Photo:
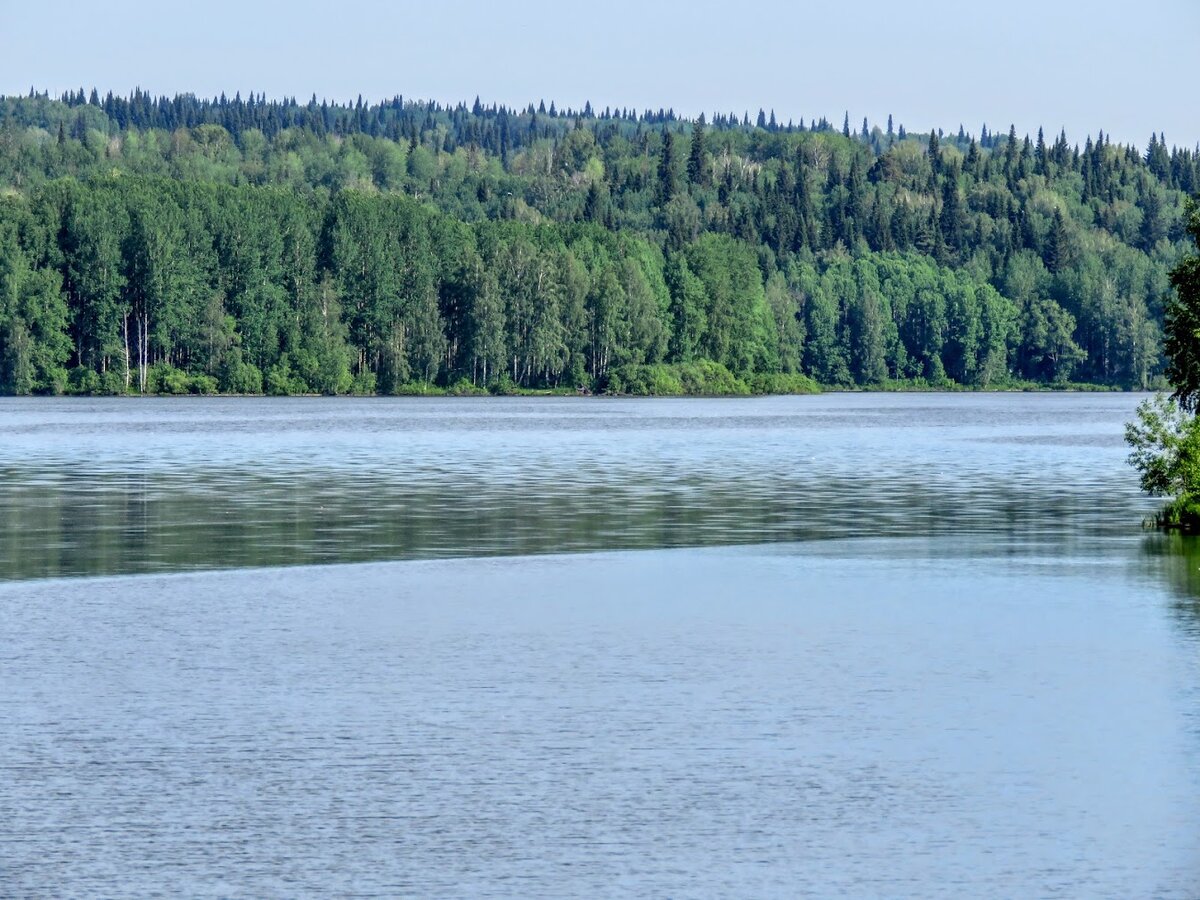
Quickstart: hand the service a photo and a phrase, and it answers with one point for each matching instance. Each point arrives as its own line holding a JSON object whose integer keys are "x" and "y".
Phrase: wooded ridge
{"x": 245, "y": 245}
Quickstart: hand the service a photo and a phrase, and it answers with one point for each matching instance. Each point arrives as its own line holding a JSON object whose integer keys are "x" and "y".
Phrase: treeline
{"x": 133, "y": 284}
{"x": 253, "y": 246}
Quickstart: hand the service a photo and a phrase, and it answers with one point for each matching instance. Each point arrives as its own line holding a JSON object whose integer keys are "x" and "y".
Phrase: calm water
{"x": 859, "y": 645}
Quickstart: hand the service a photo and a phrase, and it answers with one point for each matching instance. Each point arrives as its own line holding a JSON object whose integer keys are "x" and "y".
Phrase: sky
{"x": 1127, "y": 68}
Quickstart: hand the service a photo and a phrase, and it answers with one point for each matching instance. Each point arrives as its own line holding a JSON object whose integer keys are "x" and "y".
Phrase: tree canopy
{"x": 246, "y": 245}
{"x": 1183, "y": 323}
{"x": 1165, "y": 439}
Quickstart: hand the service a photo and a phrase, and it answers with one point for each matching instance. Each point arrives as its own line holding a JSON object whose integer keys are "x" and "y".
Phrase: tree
{"x": 1165, "y": 439}
{"x": 1165, "y": 449}
{"x": 33, "y": 324}
{"x": 666, "y": 168}
{"x": 687, "y": 310}
{"x": 1182, "y": 343}
{"x": 1058, "y": 244}
{"x": 696, "y": 169}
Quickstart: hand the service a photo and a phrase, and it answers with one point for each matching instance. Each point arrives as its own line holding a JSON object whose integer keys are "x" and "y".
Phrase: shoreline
{"x": 443, "y": 394}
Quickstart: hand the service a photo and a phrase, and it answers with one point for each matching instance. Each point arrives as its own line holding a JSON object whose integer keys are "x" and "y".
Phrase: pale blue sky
{"x": 1126, "y": 67}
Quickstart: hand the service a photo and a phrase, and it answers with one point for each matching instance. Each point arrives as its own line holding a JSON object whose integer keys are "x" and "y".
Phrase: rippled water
{"x": 113, "y": 486}
{"x": 859, "y": 645}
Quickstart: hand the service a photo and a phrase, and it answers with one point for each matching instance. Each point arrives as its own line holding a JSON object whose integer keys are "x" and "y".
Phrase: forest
{"x": 180, "y": 245}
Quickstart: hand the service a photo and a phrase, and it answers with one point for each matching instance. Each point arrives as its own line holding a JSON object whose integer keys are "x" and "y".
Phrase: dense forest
{"x": 243, "y": 245}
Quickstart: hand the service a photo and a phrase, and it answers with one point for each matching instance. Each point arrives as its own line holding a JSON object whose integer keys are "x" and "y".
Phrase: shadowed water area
{"x": 113, "y": 487}
{"x": 848, "y": 645}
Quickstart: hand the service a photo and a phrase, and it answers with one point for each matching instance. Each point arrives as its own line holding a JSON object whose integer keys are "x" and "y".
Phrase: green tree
{"x": 667, "y": 179}
{"x": 1165, "y": 439}
{"x": 1183, "y": 323}
{"x": 1165, "y": 449}
{"x": 697, "y": 169}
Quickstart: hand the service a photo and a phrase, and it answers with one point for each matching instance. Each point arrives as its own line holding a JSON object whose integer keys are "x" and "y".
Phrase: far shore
{"x": 560, "y": 393}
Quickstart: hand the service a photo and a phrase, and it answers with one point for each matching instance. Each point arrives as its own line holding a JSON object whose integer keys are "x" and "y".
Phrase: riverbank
{"x": 701, "y": 378}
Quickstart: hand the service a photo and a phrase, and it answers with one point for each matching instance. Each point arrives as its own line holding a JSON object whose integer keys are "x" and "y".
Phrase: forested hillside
{"x": 174, "y": 245}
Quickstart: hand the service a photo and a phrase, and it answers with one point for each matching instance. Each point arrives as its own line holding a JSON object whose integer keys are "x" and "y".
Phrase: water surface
{"x": 119, "y": 486}
{"x": 844, "y": 646}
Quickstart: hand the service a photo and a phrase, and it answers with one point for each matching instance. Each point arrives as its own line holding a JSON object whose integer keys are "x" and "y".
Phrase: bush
{"x": 112, "y": 383}
{"x": 611, "y": 383}
{"x": 282, "y": 380}
{"x": 363, "y": 384}
{"x": 464, "y": 388}
{"x": 54, "y": 381}
{"x": 164, "y": 378}
{"x": 644, "y": 381}
{"x": 240, "y": 377}
{"x": 503, "y": 386}
{"x": 707, "y": 378}
{"x": 699, "y": 379}
{"x": 783, "y": 383}
{"x": 279, "y": 381}
{"x": 323, "y": 373}
{"x": 82, "y": 380}
{"x": 203, "y": 384}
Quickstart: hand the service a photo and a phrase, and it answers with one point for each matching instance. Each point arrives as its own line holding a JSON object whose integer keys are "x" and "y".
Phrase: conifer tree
{"x": 666, "y": 168}
{"x": 696, "y": 169}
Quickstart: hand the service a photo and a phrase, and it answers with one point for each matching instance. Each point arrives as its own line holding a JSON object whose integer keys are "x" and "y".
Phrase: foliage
{"x": 1166, "y": 437}
{"x": 1183, "y": 323}
{"x": 699, "y": 378}
{"x": 284, "y": 247}
{"x": 1165, "y": 442}
{"x": 783, "y": 383}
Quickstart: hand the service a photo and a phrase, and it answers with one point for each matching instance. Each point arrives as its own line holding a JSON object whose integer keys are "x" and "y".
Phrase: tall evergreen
{"x": 696, "y": 168}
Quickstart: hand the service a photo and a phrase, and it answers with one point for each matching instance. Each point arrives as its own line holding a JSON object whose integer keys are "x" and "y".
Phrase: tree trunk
{"x": 125, "y": 334}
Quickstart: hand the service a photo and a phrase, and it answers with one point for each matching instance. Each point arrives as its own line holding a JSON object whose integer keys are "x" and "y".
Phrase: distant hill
{"x": 247, "y": 245}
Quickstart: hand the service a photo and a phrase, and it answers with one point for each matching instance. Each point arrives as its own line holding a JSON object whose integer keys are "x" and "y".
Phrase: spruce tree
{"x": 696, "y": 168}
{"x": 1057, "y": 254}
{"x": 666, "y": 168}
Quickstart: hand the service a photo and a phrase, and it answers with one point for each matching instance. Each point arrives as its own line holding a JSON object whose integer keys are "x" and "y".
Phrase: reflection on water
{"x": 992, "y": 691}
{"x": 119, "y": 486}
{"x": 1174, "y": 559}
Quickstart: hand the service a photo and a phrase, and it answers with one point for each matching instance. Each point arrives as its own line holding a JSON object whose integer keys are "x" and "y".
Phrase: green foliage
{"x": 363, "y": 383}
{"x": 645, "y": 381}
{"x": 164, "y": 378}
{"x": 334, "y": 249}
{"x": 203, "y": 384}
{"x": 464, "y": 388}
{"x": 707, "y": 378}
{"x": 282, "y": 381}
{"x": 1183, "y": 323}
{"x": 503, "y": 386}
{"x": 82, "y": 380}
{"x": 783, "y": 383}
{"x": 700, "y": 378}
{"x": 1165, "y": 439}
{"x": 1165, "y": 442}
{"x": 240, "y": 377}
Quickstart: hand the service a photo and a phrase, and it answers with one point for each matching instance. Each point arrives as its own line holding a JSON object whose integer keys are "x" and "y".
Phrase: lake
{"x": 859, "y": 645}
